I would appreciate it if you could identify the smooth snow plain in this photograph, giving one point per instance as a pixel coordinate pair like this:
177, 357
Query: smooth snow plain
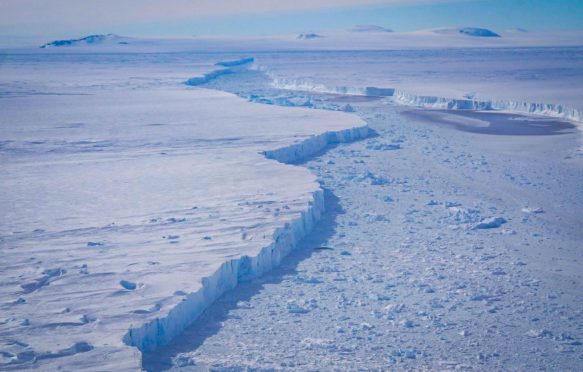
138, 188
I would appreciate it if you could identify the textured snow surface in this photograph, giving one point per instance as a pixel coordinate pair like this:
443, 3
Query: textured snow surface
134, 207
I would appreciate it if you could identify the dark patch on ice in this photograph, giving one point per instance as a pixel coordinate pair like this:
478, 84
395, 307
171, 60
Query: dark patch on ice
353, 98
95, 244
79, 347
128, 285
29, 356
498, 123
47, 277
491, 223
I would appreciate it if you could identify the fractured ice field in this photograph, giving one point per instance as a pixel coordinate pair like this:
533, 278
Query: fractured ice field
295, 210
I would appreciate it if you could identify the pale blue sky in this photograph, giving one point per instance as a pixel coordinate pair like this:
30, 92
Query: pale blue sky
59, 18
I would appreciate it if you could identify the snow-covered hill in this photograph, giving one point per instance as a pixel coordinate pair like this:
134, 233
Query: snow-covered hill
363, 37
469, 31
309, 35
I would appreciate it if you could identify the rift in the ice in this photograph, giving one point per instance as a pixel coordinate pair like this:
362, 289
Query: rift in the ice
160, 331
399, 96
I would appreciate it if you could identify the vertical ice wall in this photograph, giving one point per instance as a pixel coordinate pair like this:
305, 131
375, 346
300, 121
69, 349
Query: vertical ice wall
162, 330
544, 109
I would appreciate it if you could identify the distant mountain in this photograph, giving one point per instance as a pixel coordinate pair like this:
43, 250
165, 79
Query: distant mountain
470, 31
87, 40
369, 28
310, 35
516, 30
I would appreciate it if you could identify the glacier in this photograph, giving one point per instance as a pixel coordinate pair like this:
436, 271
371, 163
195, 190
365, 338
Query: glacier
142, 190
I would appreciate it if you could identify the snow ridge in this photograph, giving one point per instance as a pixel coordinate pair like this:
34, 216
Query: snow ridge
160, 331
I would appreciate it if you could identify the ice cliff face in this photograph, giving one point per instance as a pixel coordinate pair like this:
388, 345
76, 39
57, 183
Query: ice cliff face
230, 66
545, 109
162, 330
310, 86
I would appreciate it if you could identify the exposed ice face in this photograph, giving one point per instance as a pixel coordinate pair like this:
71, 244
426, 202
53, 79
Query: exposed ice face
87, 40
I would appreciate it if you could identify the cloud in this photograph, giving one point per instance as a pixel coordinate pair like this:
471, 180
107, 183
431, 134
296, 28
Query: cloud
63, 13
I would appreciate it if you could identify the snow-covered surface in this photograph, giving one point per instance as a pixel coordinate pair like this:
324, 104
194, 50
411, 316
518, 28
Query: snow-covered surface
364, 37
135, 192
118, 199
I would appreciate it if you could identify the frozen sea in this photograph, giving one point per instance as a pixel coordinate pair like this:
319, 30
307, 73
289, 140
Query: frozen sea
303, 210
